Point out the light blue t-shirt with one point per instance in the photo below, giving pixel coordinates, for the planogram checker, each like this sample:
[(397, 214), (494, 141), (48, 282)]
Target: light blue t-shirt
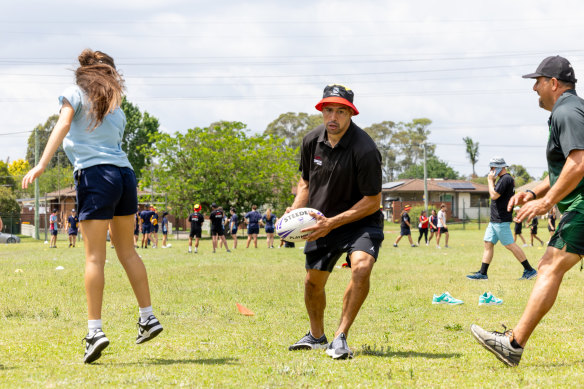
[(101, 146)]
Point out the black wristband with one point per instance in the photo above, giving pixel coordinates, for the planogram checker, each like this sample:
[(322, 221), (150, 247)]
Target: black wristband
[(532, 192)]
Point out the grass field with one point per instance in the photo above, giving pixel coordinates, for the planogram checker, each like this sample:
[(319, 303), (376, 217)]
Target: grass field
[(400, 339)]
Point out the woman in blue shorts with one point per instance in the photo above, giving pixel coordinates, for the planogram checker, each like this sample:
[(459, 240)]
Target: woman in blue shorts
[(91, 125), (269, 221)]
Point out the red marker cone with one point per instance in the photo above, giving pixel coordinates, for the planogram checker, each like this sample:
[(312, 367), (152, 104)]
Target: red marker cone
[(243, 310)]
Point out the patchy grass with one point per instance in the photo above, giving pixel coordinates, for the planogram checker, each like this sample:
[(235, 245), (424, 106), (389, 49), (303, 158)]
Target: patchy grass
[(400, 339)]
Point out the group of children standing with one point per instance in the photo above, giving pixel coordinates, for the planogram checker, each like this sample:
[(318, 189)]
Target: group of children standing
[(436, 224)]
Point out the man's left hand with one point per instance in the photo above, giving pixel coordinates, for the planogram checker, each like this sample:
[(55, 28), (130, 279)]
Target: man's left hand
[(322, 227), (533, 209)]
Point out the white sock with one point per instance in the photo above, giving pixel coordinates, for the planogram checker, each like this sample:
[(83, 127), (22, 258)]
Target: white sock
[(93, 325), (145, 312)]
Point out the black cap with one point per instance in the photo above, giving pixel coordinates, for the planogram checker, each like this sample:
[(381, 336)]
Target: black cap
[(554, 67), (213, 205)]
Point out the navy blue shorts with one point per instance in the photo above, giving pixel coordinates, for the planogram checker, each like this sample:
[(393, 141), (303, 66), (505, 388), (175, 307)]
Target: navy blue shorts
[(155, 228), (54, 232), (405, 231), (146, 229), (253, 230), (234, 231), (72, 232), (105, 191), (269, 230)]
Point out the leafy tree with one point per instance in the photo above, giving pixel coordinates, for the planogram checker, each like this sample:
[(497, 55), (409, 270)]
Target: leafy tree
[(520, 174), (472, 151), (18, 168), (8, 203), (401, 145), (6, 179), (222, 164), (544, 175), (136, 141), (435, 168), (44, 130), (54, 179), (291, 128)]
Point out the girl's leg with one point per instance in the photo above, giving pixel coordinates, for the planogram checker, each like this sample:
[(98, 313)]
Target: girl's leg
[(122, 230), (94, 235)]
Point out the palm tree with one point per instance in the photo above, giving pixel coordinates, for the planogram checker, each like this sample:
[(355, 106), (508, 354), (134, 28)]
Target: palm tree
[(472, 149)]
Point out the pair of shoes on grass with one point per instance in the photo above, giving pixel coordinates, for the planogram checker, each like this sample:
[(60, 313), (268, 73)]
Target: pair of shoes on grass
[(96, 341), (486, 298), (337, 349)]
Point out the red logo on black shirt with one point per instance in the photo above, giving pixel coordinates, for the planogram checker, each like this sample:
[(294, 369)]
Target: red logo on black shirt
[(318, 160)]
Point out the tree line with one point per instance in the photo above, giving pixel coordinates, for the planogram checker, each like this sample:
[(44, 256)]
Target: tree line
[(227, 164)]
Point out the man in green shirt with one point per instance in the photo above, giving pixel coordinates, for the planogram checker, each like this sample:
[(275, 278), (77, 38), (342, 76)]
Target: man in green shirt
[(564, 187)]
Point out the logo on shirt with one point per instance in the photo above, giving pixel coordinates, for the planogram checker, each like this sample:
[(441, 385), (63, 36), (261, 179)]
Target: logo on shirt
[(317, 160)]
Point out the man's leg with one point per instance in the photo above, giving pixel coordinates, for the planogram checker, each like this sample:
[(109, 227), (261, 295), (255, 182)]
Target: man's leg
[(446, 242), (552, 267), (315, 299), (357, 290), (438, 238)]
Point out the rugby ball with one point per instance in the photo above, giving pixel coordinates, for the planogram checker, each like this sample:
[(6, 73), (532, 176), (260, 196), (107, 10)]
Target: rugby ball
[(290, 225)]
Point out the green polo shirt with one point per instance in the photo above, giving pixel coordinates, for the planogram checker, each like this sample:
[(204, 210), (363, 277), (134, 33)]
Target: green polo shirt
[(566, 124)]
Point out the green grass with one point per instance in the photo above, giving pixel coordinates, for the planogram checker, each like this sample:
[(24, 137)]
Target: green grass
[(400, 339)]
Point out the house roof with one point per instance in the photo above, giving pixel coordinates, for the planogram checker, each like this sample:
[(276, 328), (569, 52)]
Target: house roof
[(529, 185), (434, 185)]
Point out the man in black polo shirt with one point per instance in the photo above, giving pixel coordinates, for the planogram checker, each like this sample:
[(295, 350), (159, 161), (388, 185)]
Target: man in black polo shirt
[(216, 219), (341, 177), (499, 228), (564, 186)]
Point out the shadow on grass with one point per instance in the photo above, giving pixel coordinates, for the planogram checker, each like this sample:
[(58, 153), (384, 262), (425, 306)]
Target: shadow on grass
[(388, 353), (189, 361), (2, 367)]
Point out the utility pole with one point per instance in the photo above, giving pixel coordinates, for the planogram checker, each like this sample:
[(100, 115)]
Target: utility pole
[(425, 182), (36, 186)]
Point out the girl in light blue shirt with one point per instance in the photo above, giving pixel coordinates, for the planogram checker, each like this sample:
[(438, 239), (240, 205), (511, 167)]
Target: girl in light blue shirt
[(91, 126)]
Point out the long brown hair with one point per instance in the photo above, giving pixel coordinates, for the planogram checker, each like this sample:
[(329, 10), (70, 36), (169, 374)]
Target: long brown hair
[(98, 78)]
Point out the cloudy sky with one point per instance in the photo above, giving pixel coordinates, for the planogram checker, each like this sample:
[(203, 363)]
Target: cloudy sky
[(190, 63)]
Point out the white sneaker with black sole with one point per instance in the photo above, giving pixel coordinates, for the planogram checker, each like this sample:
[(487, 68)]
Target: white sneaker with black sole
[(339, 349), (148, 329), (95, 343)]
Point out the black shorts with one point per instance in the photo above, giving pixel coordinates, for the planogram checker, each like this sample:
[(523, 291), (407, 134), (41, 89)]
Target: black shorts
[(155, 228), (105, 191), (72, 232), (433, 229), (534, 230), (324, 256), (54, 232), (443, 229), (405, 231), (217, 231), (234, 231), (195, 232), (146, 229), (269, 230), (518, 228), (253, 230)]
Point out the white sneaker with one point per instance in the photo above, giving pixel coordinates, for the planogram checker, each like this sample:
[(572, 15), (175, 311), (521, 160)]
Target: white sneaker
[(438, 247)]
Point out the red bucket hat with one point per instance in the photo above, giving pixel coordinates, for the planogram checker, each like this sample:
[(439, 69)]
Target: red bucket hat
[(337, 94)]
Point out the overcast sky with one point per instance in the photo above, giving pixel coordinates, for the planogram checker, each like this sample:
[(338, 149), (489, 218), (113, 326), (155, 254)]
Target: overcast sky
[(191, 63)]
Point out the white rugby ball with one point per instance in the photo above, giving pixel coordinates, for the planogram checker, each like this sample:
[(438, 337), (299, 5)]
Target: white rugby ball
[(290, 225)]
